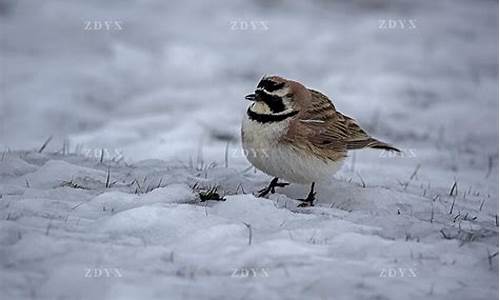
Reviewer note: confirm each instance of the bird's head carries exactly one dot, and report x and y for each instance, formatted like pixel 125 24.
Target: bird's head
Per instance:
pixel 274 95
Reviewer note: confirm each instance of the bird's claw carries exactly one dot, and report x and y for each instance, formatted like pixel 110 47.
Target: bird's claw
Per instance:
pixel 309 200
pixel 271 187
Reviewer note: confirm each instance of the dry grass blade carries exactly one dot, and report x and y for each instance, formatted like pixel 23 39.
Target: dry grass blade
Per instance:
pixel 47 141
pixel 250 233
pixel 452 205
pixel 454 189
pixel 107 178
pixel 226 156
pixel 102 156
pixel 414 174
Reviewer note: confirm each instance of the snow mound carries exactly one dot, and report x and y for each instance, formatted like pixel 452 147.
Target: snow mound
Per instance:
pixel 147 233
pixel 57 172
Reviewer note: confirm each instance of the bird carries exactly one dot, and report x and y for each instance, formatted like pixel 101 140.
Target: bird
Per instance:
pixel 294 133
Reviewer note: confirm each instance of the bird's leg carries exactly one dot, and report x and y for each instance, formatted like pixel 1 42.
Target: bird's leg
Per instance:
pixel 270 188
pixel 309 201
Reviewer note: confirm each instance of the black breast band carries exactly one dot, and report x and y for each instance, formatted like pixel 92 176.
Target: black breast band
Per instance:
pixel 269 118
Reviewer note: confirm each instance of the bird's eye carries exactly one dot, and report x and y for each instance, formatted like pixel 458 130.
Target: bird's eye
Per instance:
pixel 270 85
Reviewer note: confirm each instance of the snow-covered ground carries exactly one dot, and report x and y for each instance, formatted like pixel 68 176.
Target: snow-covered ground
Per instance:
pixel 145 115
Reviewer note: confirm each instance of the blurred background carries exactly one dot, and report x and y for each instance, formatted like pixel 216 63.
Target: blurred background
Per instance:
pixel 155 79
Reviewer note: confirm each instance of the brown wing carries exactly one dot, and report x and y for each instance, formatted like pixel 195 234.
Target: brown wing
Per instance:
pixel 327 132
pixel 357 138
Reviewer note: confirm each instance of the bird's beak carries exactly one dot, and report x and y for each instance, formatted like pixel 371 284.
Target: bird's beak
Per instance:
pixel 250 97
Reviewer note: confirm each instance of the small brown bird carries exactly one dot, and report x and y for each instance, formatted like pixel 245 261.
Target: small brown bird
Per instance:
pixel 295 133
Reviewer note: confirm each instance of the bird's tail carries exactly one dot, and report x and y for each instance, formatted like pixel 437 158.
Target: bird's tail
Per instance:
pixel 370 143
pixel 376 144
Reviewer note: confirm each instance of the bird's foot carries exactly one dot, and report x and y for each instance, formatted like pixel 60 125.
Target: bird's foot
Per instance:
pixel 271 187
pixel 309 200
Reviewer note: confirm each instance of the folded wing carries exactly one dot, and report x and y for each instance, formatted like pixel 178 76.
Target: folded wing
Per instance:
pixel 326 131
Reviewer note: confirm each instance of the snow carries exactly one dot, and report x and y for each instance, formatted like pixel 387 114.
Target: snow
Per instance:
pixel 60 241
pixel 146 118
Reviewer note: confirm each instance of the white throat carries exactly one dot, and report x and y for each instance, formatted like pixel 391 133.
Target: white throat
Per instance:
pixel 260 108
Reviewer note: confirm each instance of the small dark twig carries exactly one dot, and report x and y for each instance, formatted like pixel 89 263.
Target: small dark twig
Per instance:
pixel 454 189
pixel 45 144
pixel 159 183
pixel 211 194
pixel 452 205
pixel 102 156
pixel 482 203
pixel 432 212
pixel 73 184
pixel 107 178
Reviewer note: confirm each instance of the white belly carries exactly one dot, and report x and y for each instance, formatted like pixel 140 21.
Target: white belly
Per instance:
pixel 260 143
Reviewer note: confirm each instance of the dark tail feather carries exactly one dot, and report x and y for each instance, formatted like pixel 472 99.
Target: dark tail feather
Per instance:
pixel 370 143
pixel 381 145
